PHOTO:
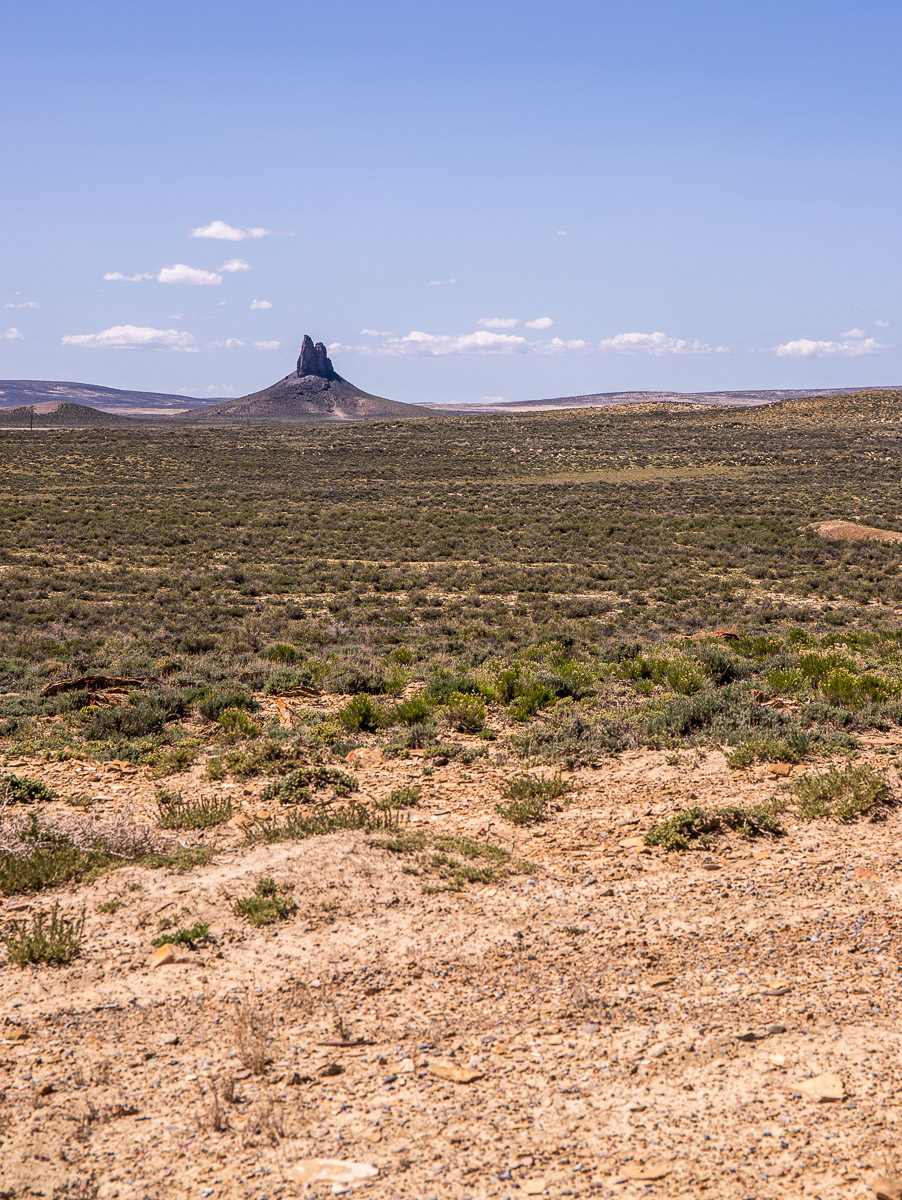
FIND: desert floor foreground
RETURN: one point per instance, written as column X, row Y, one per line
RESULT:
column 422, row 694
column 637, row 1022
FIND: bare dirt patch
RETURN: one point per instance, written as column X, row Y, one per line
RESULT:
column 851, row 531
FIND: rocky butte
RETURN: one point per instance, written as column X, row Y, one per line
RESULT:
column 313, row 392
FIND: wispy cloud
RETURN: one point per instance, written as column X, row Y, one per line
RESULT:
column 656, row 344
column 442, row 282
column 235, row 264
column 12, row 334
column 425, row 345
column 260, row 304
column 376, row 333
column 177, row 273
column 560, row 232
column 853, row 333
column 851, row 347
column 21, row 304
column 222, row 232
column 266, row 345
column 133, row 337
column 498, row 322
column 882, row 324
column 118, row 277
column 227, row 344
column 486, row 341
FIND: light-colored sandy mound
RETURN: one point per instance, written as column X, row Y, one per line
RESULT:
column 850, row 531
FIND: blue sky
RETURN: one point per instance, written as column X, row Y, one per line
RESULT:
column 516, row 199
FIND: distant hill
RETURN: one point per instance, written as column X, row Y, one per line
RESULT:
column 314, row 392
column 57, row 414
column 741, row 399
column 15, row 392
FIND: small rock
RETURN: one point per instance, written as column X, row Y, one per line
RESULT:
column 162, row 956
column 647, row 1172
column 533, row 1187
column 656, row 981
column 171, row 1039
column 329, row 1170
column 822, row 1088
column 886, row 1188
column 656, row 1051
column 331, row 1069
column 440, row 761
column 454, row 1073
column 46, row 1089
column 781, row 770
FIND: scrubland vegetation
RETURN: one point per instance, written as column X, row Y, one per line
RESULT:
column 563, row 585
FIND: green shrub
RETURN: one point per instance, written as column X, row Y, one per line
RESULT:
column 299, row 785
column 18, row 789
column 843, row 794
column 354, row 680
column 213, row 702
column 528, row 795
column 287, row 678
column 267, row 904
column 530, row 700
column 49, row 938
column 236, row 724
column 144, row 713
column 402, row 797
column 465, row 713
column 362, row 715
column 181, row 937
column 414, row 711
column 792, row 749
column 178, row 813
column 282, row 652
column 264, row 756
column 443, row 686
column 695, row 827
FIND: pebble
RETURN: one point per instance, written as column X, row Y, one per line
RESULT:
column 822, row 1088
column 885, row 1187
column 171, row 1039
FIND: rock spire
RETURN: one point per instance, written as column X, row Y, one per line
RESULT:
column 313, row 359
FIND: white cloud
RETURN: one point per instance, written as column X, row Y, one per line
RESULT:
column 540, row 323
column 178, row 273
column 260, row 304
column 853, row 333
column 221, row 303
column 560, row 232
column 12, row 335
column 118, row 277
column 655, row 344
column 235, row 264
column 853, row 347
column 558, row 345
column 22, row 304
column 376, row 333
column 442, row 282
column 133, row 337
column 430, row 345
column 882, row 324
column 228, row 233
column 266, row 345
column 181, row 273
column 228, row 344
column 498, row 322
column 494, row 400
column 175, row 316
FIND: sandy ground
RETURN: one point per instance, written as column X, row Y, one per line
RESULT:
column 621, row 1022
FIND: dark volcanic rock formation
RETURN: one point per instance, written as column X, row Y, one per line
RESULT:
column 314, row 392
column 313, row 360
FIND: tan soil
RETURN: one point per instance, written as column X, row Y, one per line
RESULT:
column 849, row 531
column 601, row 1002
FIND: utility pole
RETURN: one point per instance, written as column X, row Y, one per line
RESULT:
column 31, row 415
